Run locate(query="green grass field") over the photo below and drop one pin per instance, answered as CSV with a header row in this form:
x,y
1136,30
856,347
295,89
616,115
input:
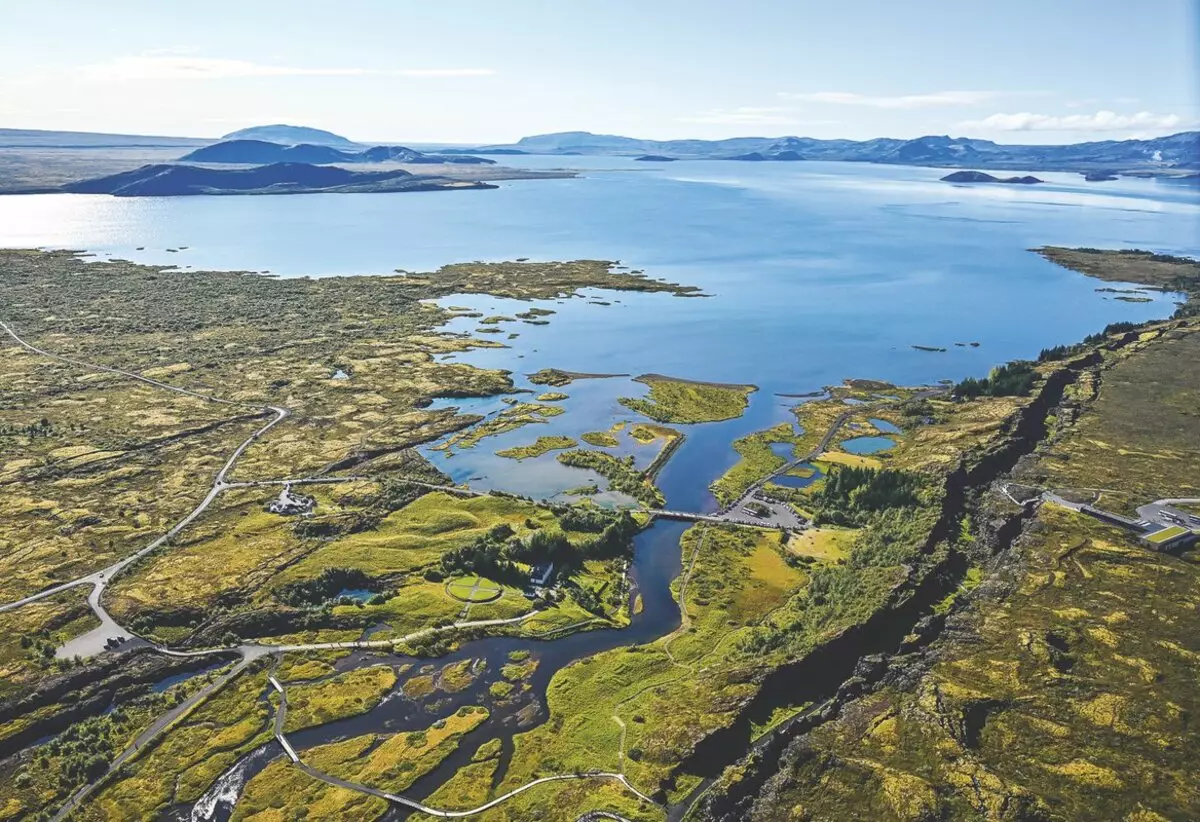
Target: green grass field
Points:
x,y
681,401
474,589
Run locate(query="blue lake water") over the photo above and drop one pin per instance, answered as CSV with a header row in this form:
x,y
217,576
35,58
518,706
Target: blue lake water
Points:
x,y
793,481
866,445
885,426
817,272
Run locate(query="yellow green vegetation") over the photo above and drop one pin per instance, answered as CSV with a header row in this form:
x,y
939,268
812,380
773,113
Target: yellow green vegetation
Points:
x,y
600,439
649,434
552,396
543,445
105,464
338,697
1141,267
756,460
682,401
826,544
520,666
646,433
33,786
515,416
419,534
390,763
536,312
96,466
828,458
238,548
29,637
1083,671
1125,447
621,474
667,693
473,588
582,491
300,666
458,676
605,439
472,786
190,756
1071,697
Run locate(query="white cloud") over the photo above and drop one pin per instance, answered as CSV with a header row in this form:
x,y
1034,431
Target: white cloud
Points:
x,y
183,67
1100,121
751,116
901,101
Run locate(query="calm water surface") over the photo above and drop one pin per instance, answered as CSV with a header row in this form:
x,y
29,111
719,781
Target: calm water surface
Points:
x,y
817,271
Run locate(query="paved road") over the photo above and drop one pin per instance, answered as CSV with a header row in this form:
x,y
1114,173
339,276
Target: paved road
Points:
x,y
99,579
147,736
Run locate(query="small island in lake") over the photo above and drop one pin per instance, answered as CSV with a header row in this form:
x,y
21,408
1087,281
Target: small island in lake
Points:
x,y
655,158
981,177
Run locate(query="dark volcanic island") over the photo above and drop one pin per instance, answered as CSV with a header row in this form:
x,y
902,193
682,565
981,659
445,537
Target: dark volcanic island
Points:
x,y
981,177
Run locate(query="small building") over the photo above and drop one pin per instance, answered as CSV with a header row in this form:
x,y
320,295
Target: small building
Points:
x,y
540,575
1169,537
288,504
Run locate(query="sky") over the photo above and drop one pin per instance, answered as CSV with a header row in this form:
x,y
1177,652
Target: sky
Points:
x,y
491,71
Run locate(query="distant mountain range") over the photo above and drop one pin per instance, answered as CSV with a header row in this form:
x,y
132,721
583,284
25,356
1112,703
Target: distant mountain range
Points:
x,y
170,180
259,152
292,135
32,138
1163,154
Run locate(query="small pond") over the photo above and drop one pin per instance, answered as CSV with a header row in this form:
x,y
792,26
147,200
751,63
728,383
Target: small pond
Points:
x,y
866,445
794,481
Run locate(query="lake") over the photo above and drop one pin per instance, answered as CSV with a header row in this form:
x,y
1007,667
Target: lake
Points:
x,y
817,271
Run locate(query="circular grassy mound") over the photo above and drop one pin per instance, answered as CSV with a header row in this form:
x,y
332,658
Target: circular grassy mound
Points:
x,y
473,589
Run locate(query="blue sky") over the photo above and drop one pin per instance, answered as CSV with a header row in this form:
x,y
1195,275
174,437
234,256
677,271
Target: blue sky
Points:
x,y
1018,71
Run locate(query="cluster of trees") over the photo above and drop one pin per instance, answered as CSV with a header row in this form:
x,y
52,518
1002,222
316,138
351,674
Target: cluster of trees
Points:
x,y
622,474
40,646
322,587
1013,379
495,554
487,555
587,518
79,754
841,593
1061,352
851,494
